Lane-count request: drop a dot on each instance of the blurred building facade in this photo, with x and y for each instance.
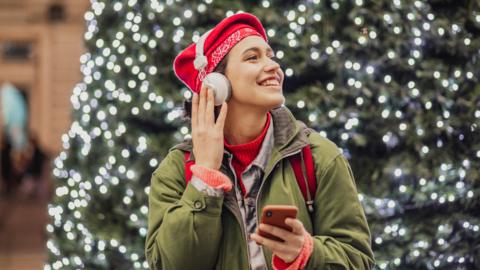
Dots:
(41, 42)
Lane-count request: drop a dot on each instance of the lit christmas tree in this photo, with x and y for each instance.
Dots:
(393, 83)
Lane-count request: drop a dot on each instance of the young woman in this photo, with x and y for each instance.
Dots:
(241, 165)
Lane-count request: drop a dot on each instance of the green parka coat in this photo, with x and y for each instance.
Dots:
(190, 230)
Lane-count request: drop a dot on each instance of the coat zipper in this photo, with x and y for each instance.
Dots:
(242, 225)
(268, 174)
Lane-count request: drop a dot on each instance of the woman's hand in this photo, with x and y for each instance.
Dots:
(207, 136)
(289, 250)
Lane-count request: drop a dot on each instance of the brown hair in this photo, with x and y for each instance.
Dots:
(187, 104)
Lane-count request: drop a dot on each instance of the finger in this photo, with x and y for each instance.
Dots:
(276, 231)
(201, 106)
(274, 246)
(222, 116)
(297, 225)
(254, 237)
(194, 110)
(209, 115)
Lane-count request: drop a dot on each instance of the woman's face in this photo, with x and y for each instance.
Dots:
(255, 77)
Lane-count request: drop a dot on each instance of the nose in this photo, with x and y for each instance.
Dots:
(271, 65)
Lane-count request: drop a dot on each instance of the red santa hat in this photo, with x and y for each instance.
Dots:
(218, 43)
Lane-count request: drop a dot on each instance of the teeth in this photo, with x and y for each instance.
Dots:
(269, 82)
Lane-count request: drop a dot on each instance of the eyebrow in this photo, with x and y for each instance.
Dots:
(256, 49)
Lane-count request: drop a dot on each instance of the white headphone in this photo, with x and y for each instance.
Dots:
(216, 81)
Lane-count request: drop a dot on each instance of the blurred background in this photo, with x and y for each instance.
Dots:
(40, 46)
(90, 106)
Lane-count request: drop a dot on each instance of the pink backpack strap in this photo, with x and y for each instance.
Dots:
(188, 164)
(302, 166)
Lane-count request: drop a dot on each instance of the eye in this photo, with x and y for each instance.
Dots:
(252, 58)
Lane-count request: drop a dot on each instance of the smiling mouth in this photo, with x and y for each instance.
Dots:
(270, 83)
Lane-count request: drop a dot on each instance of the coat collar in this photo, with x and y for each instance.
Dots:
(290, 135)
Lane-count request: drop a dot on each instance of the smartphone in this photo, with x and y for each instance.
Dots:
(275, 215)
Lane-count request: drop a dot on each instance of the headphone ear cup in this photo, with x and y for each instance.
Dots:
(220, 86)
